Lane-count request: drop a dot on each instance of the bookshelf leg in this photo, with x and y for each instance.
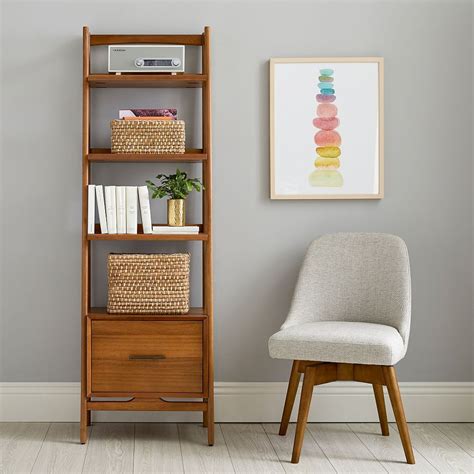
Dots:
(210, 422)
(84, 418)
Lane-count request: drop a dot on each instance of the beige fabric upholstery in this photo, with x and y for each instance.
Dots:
(352, 302)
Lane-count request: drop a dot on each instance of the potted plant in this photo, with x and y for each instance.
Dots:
(176, 187)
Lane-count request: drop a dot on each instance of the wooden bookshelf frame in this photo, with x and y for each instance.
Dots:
(149, 401)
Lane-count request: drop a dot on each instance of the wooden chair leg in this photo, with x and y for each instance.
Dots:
(290, 398)
(397, 405)
(380, 402)
(305, 402)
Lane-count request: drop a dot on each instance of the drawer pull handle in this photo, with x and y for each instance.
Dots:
(146, 357)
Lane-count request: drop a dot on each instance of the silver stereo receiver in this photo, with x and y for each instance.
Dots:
(146, 58)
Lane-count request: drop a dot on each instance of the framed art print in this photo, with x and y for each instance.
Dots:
(326, 128)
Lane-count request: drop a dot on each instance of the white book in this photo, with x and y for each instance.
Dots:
(99, 192)
(187, 229)
(144, 198)
(131, 209)
(121, 210)
(91, 209)
(111, 209)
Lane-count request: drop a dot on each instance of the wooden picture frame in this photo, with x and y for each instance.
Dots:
(326, 175)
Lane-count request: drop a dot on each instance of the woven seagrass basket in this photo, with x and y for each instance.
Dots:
(147, 136)
(148, 283)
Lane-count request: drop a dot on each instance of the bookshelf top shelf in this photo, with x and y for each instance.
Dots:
(186, 40)
(146, 80)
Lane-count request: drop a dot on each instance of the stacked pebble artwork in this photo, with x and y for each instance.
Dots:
(328, 141)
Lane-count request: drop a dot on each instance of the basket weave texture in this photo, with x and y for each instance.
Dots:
(147, 136)
(148, 283)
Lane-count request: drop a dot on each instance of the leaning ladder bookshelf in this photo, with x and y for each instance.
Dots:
(185, 368)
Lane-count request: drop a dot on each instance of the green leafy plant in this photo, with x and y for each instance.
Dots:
(175, 186)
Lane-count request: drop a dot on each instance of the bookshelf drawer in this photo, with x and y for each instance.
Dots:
(147, 356)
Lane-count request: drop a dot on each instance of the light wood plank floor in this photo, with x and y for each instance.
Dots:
(240, 448)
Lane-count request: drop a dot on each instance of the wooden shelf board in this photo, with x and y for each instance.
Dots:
(146, 80)
(105, 155)
(142, 236)
(100, 314)
(187, 40)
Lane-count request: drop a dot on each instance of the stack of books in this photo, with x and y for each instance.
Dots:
(148, 114)
(117, 207)
(170, 230)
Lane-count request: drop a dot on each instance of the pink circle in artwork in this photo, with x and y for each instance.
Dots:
(326, 124)
(324, 99)
(327, 138)
(326, 110)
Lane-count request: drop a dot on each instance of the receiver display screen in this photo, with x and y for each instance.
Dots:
(157, 62)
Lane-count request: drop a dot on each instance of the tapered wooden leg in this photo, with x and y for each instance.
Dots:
(305, 402)
(204, 419)
(83, 427)
(380, 401)
(210, 420)
(89, 417)
(397, 405)
(290, 398)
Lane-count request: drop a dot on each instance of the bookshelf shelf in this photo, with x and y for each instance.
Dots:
(100, 314)
(146, 80)
(105, 155)
(141, 236)
(124, 349)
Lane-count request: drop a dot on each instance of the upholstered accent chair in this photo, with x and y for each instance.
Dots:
(349, 320)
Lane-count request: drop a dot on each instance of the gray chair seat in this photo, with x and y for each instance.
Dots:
(339, 341)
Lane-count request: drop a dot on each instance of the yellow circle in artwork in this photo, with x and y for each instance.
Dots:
(326, 179)
(328, 151)
(327, 163)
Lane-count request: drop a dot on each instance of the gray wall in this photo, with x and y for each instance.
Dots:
(259, 244)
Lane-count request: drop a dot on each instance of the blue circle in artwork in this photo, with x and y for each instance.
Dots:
(326, 85)
(327, 91)
(326, 72)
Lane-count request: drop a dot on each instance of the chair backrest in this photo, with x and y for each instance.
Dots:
(362, 277)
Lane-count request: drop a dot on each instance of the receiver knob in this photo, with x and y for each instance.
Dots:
(139, 62)
(176, 62)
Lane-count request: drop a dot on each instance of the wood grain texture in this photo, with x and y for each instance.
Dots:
(20, 444)
(146, 80)
(312, 458)
(120, 350)
(187, 40)
(110, 449)
(105, 155)
(399, 412)
(250, 449)
(445, 455)
(305, 402)
(388, 450)
(85, 245)
(461, 433)
(60, 451)
(157, 449)
(208, 297)
(381, 410)
(198, 457)
(344, 449)
(290, 397)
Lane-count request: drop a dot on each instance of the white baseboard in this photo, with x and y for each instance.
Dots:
(251, 402)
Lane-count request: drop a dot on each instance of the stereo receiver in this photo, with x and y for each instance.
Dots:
(146, 58)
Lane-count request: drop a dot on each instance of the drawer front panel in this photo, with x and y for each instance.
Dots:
(147, 356)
